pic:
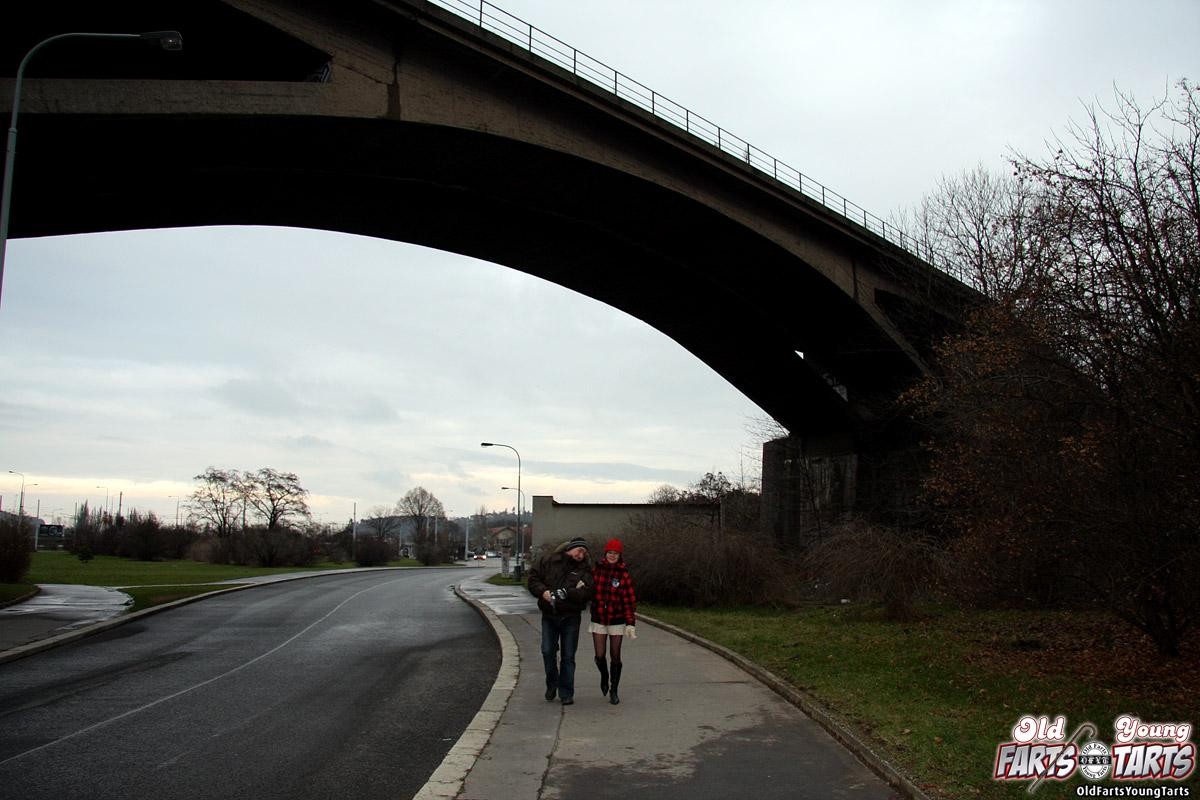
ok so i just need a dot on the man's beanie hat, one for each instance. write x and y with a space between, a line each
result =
576 542
614 545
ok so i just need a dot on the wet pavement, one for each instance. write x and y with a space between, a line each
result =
504 600
61 611
56 609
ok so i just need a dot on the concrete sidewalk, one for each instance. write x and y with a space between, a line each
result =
691 725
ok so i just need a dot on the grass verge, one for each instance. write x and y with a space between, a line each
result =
148 596
938 695
506 580
59 566
150 583
11 591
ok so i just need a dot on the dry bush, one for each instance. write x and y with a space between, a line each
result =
14 552
674 563
372 551
878 564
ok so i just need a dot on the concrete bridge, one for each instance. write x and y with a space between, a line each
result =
403 120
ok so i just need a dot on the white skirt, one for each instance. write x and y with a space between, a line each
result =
611 630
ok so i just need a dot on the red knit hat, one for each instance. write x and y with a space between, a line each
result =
614 545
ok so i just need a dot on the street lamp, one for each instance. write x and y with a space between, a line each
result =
21 500
37 516
520 543
520 504
175 497
21 507
170 40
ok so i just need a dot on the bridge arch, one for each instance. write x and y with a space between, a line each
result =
416 127
401 121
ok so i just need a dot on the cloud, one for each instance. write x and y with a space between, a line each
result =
259 396
611 471
309 443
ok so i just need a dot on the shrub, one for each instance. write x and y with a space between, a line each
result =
140 538
675 563
431 553
14 552
177 542
278 547
877 564
370 551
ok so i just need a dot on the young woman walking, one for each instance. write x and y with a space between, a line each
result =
614 609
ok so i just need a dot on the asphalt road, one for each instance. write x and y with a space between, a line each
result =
344 686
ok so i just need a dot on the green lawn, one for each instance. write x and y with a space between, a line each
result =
939 695
59 566
11 591
506 580
147 596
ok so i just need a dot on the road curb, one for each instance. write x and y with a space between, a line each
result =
448 779
822 716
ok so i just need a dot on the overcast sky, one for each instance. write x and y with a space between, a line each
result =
133 361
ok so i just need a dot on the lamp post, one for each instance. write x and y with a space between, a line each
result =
175 497
170 40
37 515
21 497
520 549
21 507
520 504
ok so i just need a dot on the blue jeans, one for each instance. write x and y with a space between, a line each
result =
560 632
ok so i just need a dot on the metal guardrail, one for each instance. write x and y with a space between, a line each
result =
496 20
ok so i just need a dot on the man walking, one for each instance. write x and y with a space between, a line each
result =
562 583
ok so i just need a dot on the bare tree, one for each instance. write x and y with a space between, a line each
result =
420 505
277 496
383 522
665 495
987 230
1066 417
218 500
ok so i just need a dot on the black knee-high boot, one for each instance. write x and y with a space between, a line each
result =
616 681
602 665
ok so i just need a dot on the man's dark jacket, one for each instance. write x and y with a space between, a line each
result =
558 570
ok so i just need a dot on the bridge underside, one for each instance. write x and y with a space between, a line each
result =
396 120
738 303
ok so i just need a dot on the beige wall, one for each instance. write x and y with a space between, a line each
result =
555 522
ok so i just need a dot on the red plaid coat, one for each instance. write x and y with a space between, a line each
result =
614 601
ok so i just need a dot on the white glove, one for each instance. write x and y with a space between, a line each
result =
631 631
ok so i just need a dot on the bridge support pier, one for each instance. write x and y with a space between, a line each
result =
814 482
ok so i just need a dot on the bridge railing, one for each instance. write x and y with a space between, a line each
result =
496 20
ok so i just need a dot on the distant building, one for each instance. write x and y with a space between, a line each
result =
502 539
